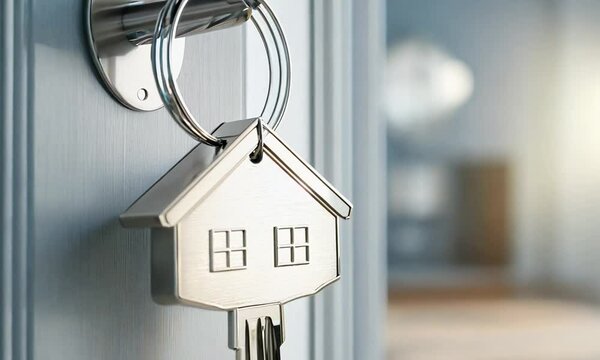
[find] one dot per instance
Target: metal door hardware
(163, 49)
(240, 233)
(120, 34)
(241, 223)
(232, 234)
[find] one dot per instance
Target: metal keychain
(242, 223)
(274, 41)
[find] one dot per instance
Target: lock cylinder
(120, 33)
(139, 20)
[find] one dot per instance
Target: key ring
(274, 41)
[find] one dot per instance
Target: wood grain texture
(93, 158)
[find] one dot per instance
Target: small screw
(142, 94)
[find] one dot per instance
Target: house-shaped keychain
(228, 232)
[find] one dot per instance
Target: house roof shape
(201, 171)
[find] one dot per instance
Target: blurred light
(424, 83)
(418, 190)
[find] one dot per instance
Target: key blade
(257, 332)
(272, 340)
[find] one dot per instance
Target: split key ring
(279, 65)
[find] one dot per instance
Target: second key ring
(278, 58)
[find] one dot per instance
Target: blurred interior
(493, 112)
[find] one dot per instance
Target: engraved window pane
(220, 261)
(284, 236)
(237, 239)
(300, 235)
(301, 254)
(284, 256)
(219, 240)
(238, 259)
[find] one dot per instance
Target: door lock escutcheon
(120, 33)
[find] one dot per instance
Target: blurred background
(493, 129)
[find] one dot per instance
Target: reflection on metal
(218, 241)
(257, 333)
(120, 33)
(222, 203)
(138, 46)
(200, 16)
(278, 57)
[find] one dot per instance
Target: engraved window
(228, 250)
(291, 246)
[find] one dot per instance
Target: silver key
(256, 332)
(244, 236)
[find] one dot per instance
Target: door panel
(92, 159)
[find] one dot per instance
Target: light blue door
(77, 284)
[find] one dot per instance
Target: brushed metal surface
(245, 233)
(91, 159)
(125, 68)
(297, 21)
(200, 16)
(261, 282)
(272, 34)
(120, 32)
(197, 175)
(257, 332)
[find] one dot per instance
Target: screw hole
(142, 94)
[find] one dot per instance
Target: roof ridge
(178, 192)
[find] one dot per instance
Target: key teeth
(272, 341)
(256, 333)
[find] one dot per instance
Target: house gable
(204, 169)
(261, 217)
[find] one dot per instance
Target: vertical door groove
(14, 115)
